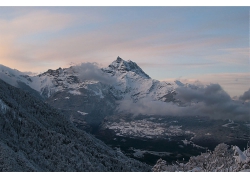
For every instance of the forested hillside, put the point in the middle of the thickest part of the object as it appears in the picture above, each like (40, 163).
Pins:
(37, 137)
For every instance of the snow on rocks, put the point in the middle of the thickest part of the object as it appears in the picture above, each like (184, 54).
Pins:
(223, 159)
(75, 92)
(130, 81)
(241, 157)
(82, 113)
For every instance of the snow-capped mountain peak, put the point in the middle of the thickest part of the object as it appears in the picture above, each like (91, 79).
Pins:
(120, 66)
(129, 81)
(52, 72)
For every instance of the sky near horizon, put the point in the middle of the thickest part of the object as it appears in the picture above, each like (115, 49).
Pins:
(209, 44)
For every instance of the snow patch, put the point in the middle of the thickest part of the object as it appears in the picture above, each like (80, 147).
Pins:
(82, 113)
(241, 157)
(99, 94)
(186, 142)
(230, 124)
(75, 92)
(140, 153)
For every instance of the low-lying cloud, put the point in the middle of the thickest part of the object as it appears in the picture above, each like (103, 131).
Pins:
(210, 95)
(91, 71)
(209, 100)
(245, 96)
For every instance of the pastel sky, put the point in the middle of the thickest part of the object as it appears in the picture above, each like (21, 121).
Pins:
(209, 44)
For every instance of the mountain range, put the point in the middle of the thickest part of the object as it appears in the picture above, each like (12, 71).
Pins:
(52, 112)
(125, 88)
(94, 91)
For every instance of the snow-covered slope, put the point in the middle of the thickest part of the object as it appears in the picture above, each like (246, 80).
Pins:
(36, 137)
(12, 76)
(53, 81)
(93, 90)
(123, 84)
(133, 83)
(120, 66)
(19, 79)
(64, 80)
(49, 82)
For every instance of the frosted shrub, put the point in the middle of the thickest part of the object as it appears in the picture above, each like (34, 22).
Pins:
(223, 159)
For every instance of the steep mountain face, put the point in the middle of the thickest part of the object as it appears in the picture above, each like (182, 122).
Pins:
(133, 83)
(36, 137)
(119, 66)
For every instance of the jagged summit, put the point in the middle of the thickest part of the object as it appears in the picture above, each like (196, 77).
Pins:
(52, 72)
(123, 66)
(119, 59)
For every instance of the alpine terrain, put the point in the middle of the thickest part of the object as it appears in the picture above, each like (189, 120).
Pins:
(52, 114)
(37, 137)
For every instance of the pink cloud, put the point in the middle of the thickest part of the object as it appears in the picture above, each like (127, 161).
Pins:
(126, 39)
(34, 22)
